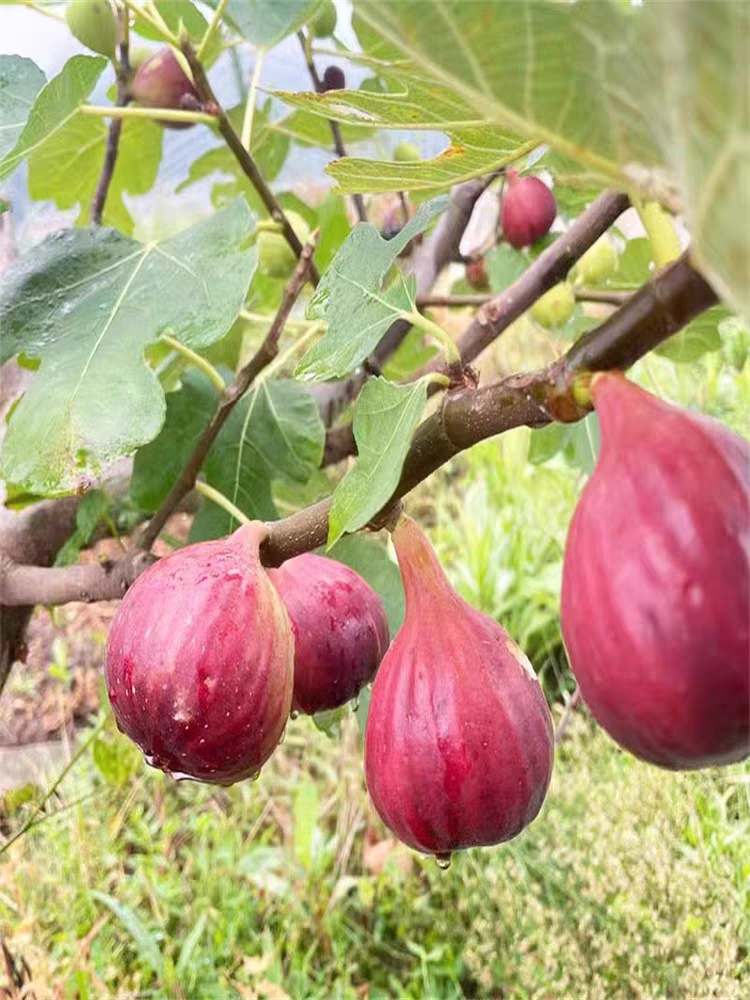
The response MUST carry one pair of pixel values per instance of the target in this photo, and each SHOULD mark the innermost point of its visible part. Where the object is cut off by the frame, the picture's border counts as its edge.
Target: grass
(633, 882)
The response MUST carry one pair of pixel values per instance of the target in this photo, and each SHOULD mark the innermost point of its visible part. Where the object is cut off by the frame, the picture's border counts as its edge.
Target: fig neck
(250, 537)
(425, 583)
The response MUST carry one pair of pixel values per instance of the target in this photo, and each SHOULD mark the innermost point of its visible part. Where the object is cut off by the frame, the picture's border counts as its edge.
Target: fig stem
(215, 22)
(247, 122)
(202, 364)
(452, 353)
(160, 114)
(215, 496)
(151, 16)
(268, 318)
(665, 246)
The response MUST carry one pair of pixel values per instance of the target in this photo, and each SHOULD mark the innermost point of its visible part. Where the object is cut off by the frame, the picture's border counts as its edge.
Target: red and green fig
(528, 210)
(340, 630)
(162, 82)
(459, 742)
(656, 582)
(199, 664)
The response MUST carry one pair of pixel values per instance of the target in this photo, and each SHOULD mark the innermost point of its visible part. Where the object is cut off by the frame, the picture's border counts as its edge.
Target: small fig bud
(598, 263)
(459, 743)
(200, 659)
(276, 259)
(476, 275)
(555, 307)
(406, 152)
(93, 24)
(162, 82)
(323, 25)
(528, 210)
(340, 630)
(656, 582)
(333, 79)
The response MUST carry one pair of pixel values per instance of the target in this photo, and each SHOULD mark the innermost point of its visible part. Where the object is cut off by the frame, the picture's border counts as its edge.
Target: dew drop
(254, 777)
(443, 860)
(149, 760)
(179, 776)
(294, 714)
(355, 704)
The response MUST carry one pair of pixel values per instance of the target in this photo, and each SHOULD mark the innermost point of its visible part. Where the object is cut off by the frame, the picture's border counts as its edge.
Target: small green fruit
(93, 24)
(323, 24)
(598, 263)
(406, 152)
(276, 259)
(555, 308)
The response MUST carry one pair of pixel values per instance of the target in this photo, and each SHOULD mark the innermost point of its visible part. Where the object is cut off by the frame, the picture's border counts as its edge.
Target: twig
(212, 27)
(611, 298)
(242, 155)
(660, 308)
(230, 396)
(115, 125)
(338, 141)
(567, 716)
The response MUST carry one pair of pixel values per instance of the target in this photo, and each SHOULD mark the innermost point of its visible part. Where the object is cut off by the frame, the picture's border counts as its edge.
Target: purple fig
(333, 79)
(161, 82)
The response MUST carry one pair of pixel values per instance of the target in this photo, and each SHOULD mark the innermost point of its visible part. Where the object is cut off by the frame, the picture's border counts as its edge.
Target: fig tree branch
(115, 125)
(242, 155)
(230, 395)
(338, 142)
(662, 307)
(607, 297)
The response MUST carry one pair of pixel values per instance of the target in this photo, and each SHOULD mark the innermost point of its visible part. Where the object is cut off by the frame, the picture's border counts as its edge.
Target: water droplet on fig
(444, 860)
(294, 714)
(254, 777)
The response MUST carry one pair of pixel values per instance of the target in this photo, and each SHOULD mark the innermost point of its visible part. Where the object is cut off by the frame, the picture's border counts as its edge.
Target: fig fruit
(476, 275)
(200, 658)
(555, 307)
(528, 210)
(459, 742)
(598, 263)
(406, 152)
(340, 630)
(92, 22)
(655, 591)
(162, 82)
(333, 79)
(276, 259)
(323, 25)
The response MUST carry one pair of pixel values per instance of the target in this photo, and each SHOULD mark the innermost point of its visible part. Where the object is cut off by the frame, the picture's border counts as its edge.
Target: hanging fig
(93, 24)
(333, 79)
(162, 82)
(406, 152)
(459, 742)
(323, 25)
(528, 210)
(598, 263)
(199, 663)
(340, 630)
(656, 590)
(555, 307)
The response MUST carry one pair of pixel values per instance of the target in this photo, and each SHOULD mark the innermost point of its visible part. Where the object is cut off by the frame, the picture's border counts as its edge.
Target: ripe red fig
(528, 210)
(459, 743)
(340, 630)
(161, 82)
(655, 592)
(199, 664)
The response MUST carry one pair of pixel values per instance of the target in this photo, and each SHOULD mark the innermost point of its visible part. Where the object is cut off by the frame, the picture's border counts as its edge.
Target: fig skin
(333, 79)
(406, 152)
(340, 630)
(161, 82)
(656, 590)
(555, 307)
(199, 662)
(93, 23)
(528, 210)
(323, 25)
(459, 743)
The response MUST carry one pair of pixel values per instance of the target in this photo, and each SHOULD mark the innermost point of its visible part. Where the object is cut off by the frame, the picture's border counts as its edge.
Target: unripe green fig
(406, 152)
(93, 24)
(323, 24)
(555, 307)
(598, 263)
(276, 259)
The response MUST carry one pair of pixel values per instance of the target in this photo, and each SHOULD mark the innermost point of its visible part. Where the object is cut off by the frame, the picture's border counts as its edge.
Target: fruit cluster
(209, 652)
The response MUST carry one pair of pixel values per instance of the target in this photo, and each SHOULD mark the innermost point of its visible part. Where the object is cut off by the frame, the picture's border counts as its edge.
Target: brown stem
(567, 716)
(547, 270)
(242, 155)
(230, 396)
(338, 142)
(115, 125)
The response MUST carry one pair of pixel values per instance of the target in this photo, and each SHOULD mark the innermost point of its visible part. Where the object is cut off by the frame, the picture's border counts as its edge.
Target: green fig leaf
(87, 302)
(352, 298)
(265, 24)
(385, 419)
(20, 82)
(699, 337)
